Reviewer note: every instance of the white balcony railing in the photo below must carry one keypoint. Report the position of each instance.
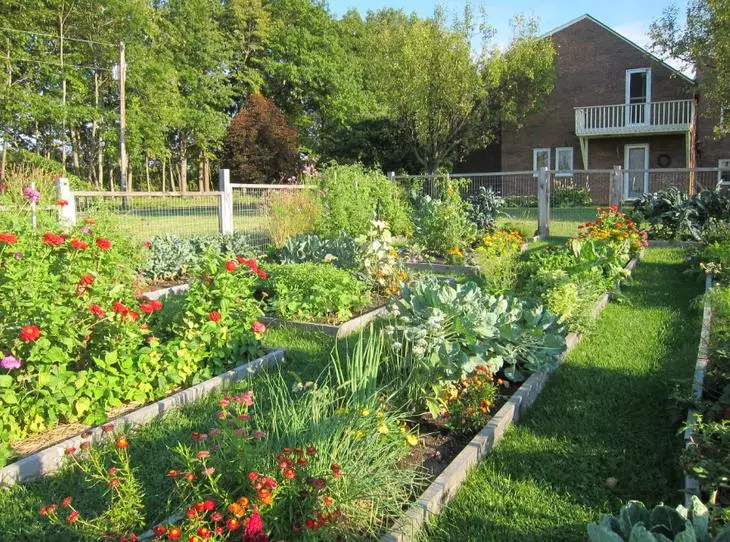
(624, 119)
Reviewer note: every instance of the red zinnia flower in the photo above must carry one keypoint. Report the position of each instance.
(113, 483)
(65, 503)
(261, 273)
(103, 244)
(159, 530)
(174, 533)
(30, 333)
(233, 524)
(156, 305)
(97, 311)
(78, 244)
(214, 316)
(86, 280)
(107, 427)
(62, 203)
(8, 238)
(147, 308)
(258, 327)
(231, 265)
(253, 475)
(147, 244)
(53, 239)
(69, 451)
(216, 516)
(209, 505)
(120, 307)
(289, 474)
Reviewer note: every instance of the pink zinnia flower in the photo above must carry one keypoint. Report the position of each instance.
(10, 362)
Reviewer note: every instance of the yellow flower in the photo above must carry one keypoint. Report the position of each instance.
(411, 440)
(383, 429)
(359, 434)
(365, 412)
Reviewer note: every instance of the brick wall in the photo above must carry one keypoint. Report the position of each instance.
(591, 65)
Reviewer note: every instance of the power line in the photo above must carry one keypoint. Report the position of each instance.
(64, 65)
(31, 33)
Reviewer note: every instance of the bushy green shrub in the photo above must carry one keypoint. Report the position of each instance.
(442, 224)
(315, 292)
(567, 194)
(520, 201)
(352, 195)
(172, 257)
(715, 230)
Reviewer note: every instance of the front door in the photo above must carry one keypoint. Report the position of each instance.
(636, 165)
(638, 96)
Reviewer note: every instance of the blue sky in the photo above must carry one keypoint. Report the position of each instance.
(629, 17)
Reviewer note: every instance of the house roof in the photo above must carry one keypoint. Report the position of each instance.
(621, 37)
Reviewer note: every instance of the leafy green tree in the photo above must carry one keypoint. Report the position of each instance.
(446, 100)
(702, 40)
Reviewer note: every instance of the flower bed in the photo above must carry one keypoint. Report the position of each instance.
(77, 342)
(50, 459)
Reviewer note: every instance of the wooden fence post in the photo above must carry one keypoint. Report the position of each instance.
(615, 189)
(543, 203)
(67, 211)
(225, 202)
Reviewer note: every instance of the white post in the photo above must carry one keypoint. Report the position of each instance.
(225, 203)
(67, 211)
(615, 190)
(543, 203)
(391, 176)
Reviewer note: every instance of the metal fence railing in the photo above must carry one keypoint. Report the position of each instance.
(270, 213)
(147, 214)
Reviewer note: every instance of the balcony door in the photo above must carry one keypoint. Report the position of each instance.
(636, 174)
(638, 96)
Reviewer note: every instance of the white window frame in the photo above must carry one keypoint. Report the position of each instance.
(534, 158)
(627, 96)
(722, 163)
(565, 172)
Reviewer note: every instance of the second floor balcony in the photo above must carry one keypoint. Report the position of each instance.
(670, 117)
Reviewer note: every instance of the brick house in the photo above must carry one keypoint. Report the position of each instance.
(614, 103)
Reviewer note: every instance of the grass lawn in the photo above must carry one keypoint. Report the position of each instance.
(150, 449)
(564, 221)
(606, 413)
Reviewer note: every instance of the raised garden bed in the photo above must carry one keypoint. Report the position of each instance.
(449, 269)
(336, 330)
(51, 458)
(444, 487)
(691, 485)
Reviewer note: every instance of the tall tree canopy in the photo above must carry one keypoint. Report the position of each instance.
(389, 89)
(702, 39)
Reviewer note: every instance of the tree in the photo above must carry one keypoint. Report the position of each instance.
(703, 41)
(261, 144)
(447, 100)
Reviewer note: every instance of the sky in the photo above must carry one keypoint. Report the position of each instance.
(631, 18)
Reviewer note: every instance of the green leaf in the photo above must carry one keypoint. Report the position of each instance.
(640, 534)
(82, 405)
(599, 533)
(6, 381)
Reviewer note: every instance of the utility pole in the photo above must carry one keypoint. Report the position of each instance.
(61, 21)
(122, 119)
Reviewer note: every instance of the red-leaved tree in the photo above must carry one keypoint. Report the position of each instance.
(261, 145)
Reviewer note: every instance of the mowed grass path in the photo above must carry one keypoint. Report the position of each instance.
(606, 413)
